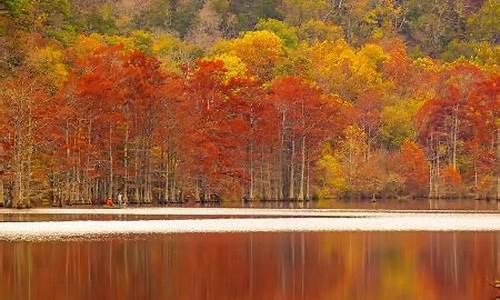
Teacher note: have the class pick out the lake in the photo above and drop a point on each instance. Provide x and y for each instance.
(341, 265)
(370, 262)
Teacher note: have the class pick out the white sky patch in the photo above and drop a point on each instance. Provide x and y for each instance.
(373, 222)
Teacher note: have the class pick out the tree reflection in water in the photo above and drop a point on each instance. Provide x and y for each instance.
(347, 265)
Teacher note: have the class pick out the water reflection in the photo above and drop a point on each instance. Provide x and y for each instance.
(411, 204)
(359, 265)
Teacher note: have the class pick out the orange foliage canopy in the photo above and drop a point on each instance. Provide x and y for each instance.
(452, 177)
(414, 167)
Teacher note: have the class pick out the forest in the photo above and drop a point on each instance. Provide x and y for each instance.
(163, 101)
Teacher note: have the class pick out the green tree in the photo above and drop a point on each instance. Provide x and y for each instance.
(314, 31)
(485, 24)
(288, 34)
(398, 122)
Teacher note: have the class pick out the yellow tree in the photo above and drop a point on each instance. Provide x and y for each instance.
(234, 65)
(342, 70)
(331, 177)
(260, 51)
(351, 152)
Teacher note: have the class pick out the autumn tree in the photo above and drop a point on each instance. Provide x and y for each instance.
(304, 119)
(24, 114)
(259, 50)
(443, 121)
(483, 141)
(414, 168)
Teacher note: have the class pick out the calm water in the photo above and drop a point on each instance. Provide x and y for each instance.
(427, 204)
(348, 265)
(384, 204)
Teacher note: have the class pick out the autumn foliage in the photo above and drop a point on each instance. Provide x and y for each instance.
(414, 168)
(310, 103)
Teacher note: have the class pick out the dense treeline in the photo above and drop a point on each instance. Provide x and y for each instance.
(168, 101)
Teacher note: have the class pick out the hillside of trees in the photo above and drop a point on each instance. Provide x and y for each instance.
(175, 100)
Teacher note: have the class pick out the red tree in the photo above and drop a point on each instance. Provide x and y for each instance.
(413, 168)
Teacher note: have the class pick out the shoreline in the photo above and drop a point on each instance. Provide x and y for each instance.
(223, 211)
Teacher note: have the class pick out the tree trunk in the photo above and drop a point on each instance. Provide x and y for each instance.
(261, 173)
(2, 199)
(250, 193)
(197, 190)
(281, 166)
(67, 188)
(87, 177)
(291, 190)
(97, 191)
(173, 194)
(29, 157)
(148, 197)
(18, 184)
(431, 181)
(498, 164)
(302, 168)
(110, 188)
(166, 192)
(269, 188)
(136, 175)
(78, 195)
(438, 166)
(125, 166)
(454, 139)
(308, 193)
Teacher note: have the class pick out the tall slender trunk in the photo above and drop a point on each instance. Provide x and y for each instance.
(476, 183)
(110, 153)
(197, 190)
(250, 193)
(68, 172)
(454, 138)
(498, 164)
(261, 172)
(291, 194)
(136, 175)
(97, 190)
(350, 164)
(438, 166)
(173, 190)
(147, 176)
(166, 192)
(207, 192)
(308, 193)
(29, 157)
(269, 188)
(125, 166)
(2, 199)
(281, 166)
(368, 145)
(431, 167)
(88, 180)
(18, 184)
(431, 175)
(173, 195)
(302, 168)
(78, 194)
